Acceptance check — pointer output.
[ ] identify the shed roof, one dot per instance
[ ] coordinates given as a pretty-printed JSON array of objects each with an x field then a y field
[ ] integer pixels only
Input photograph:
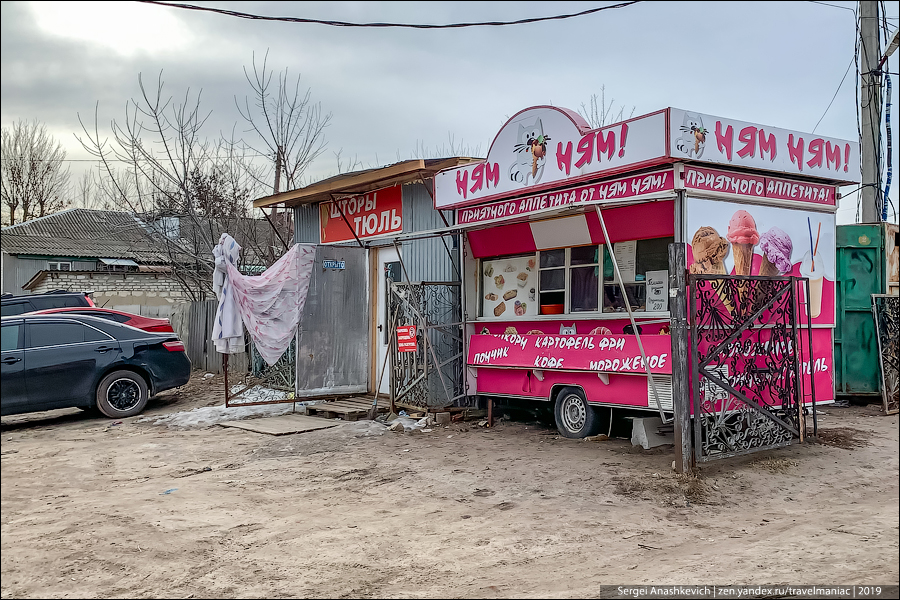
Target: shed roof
[{"x": 361, "y": 182}]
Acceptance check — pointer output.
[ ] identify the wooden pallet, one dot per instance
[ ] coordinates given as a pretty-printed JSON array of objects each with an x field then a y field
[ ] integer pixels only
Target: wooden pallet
[{"x": 348, "y": 409}]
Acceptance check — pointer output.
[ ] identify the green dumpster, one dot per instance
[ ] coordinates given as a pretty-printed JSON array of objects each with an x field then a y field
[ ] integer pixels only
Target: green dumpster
[{"x": 866, "y": 264}]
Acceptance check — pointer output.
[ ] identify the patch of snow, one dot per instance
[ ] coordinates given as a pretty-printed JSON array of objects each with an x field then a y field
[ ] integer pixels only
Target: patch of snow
[{"x": 210, "y": 415}]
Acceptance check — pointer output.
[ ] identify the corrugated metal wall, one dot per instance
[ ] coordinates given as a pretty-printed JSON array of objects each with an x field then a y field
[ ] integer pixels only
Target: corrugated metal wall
[
  {"x": 306, "y": 224},
  {"x": 426, "y": 259}
]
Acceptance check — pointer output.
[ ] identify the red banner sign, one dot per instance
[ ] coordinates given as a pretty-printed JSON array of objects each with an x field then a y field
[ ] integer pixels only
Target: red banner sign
[
  {"x": 406, "y": 338},
  {"x": 755, "y": 186},
  {"x": 607, "y": 191},
  {"x": 607, "y": 353},
  {"x": 370, "y": 215}
]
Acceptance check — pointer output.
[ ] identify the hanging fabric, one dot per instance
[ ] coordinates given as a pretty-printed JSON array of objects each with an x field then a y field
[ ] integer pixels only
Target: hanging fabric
[{"x": 269, "y": 304}]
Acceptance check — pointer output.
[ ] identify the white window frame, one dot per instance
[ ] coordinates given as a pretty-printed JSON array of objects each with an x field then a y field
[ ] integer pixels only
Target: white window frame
[
  {"x": 567, "y": 267},
  {"x": 59, "y": 264}
]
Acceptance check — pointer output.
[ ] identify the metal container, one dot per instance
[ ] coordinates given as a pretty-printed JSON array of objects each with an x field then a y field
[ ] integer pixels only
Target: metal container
[{"x": 867, "y": 259}]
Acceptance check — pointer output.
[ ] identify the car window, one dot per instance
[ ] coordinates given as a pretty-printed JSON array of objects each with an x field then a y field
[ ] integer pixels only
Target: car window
[
  {"x": 55, "y": 334},
  {"x": 10, "y": 337},
  {"x": 104, "y": 315},
  {"x": 94, "y": 335},
  {"x": 45, "y": 302},
  {"x": 15, "y": 308}
]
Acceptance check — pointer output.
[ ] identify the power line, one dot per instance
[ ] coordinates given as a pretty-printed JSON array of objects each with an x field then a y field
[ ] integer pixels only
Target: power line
[
  {"x": 852, "y": 61},
  {"x": 243, "y": 15}
]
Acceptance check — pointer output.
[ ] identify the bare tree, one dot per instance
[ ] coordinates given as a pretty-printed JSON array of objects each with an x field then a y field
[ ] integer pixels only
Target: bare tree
[
  {"x": 288, "y": 126},
  {"x": 600, "y": 114},
  {"x": 186, "y": 189},
  {"x": 35, "y": 181}
]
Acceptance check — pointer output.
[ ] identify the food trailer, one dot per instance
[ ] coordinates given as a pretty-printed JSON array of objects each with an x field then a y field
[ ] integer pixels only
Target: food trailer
[{"x": 566, "y": 251}]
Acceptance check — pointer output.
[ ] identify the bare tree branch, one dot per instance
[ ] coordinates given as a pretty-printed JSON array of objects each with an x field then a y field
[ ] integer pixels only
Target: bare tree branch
[{"x": 35, "y": 184}]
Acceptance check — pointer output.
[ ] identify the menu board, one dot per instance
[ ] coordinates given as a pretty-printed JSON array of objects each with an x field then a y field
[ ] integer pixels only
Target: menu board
[
  {"x": 508, "y": 287},
  {"x": 625, "y": 257}
]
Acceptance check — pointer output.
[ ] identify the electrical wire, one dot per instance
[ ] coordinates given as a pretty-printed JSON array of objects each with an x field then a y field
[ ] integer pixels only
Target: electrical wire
[
  {"x": 852, "y": 60},
  {"x": 243, "y": 15}
]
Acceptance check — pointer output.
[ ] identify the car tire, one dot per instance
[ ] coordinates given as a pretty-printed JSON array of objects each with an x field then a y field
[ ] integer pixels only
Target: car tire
[
  {"x": 122, "y": 394},
  {"x": 575, "y": 418}
]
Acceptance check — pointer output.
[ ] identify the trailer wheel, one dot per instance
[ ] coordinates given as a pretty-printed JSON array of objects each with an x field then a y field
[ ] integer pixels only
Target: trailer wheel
[{"x": 575, "y": 418}]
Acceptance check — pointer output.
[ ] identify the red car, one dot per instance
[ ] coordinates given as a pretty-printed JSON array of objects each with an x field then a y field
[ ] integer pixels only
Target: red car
[{"x": 157, "y": 325}]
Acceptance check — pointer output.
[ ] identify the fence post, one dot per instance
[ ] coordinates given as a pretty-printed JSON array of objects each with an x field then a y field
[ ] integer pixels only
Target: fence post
[{"x": 684, "y": 457}]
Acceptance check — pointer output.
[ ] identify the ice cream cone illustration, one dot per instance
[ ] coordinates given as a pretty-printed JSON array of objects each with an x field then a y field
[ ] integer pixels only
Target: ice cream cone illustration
[
  {"x": 743, "y": 236},
  {"x": 710, "y": 250},
  {"x": 776, "y": 247},
  {"x": 538, "y": 150}
]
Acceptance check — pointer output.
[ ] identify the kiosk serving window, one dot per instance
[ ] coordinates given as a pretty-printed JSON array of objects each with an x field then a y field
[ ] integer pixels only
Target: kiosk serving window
[{"x": 573, "y": 280}]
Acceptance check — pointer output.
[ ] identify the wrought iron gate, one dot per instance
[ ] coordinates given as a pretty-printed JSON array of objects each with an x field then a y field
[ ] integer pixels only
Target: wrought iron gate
[
  {"x": 261, "y": 383},
  {"x": 431, "y": 376},
  {"x": 886, "y": 311},
  {"x": 745, "y": 351}
]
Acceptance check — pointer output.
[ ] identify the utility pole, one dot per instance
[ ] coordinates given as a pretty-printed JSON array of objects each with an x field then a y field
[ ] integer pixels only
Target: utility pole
[{"x": 870, "y": 107}]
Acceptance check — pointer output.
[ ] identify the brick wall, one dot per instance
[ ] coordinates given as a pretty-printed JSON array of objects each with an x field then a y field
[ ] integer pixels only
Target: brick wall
[{"x": 151, "y": 294}]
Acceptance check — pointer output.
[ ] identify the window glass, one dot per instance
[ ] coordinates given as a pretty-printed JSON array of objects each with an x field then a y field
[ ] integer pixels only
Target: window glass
[
  {"x": 15, "y": 309},
  {"x": 553, "y": 258},
  {"x": 653, "y": 255},
  {"x": 10, "y": 337},
  {"x": 55, "y": 334},
  {"x": 553, "y": 279},
  {"x": 94, "y": 335},
  {"x": 585, "y": 282},
  {"x": 585, "y": 255}
]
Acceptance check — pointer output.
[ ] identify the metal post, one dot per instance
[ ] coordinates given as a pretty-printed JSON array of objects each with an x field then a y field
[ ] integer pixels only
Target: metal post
[
  {"x": 870, "y": 108},
  {"x": 684, "y": 457}
]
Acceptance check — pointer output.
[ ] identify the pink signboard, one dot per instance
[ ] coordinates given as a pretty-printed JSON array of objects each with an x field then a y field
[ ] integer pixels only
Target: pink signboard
[
  {"x": 755, "y": 186},
  {"x": 750, "y": 363},
  {"x": 603, "y": 353},
  {"x": 701, "y": 137},
  {"x": 547, "y": 147},
  {"x": 637, "y": 187},
  {"x": 747, "y": 239}
]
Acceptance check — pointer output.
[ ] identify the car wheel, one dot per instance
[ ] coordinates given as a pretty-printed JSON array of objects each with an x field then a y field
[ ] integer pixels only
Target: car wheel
[
  {"x": 575, "y": 418},
  {"x": 122, "y": 394}
]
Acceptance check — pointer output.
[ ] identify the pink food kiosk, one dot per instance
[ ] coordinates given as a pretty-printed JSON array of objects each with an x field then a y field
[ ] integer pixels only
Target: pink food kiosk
[{"x": 566, "y": 250}]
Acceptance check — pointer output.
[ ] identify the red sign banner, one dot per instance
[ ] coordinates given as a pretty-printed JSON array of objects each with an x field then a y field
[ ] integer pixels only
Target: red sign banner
[
  {"x": 606, "y": 191},
  {"x": 755, "y": 186},
  {"x": 406, "y": 338},
  {"x": 605, "y": 353},
  {"x": 370, "y": 215}
]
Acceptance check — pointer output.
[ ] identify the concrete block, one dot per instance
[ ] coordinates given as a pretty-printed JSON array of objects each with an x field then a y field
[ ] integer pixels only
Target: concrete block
[
  {"x": 644, "y": 434},
  {"x": 442, "y": 418}
]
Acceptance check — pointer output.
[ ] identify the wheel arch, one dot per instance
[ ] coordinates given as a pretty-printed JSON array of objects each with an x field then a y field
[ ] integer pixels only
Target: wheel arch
[{"x": 134, "y": 369}]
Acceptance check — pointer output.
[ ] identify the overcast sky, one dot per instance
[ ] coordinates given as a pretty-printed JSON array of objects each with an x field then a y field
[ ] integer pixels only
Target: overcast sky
[{"x": 391, "y": 91}]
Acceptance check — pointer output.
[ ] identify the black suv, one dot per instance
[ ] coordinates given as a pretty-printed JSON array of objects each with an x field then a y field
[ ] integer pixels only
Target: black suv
[{"x": 16, "y": 305}]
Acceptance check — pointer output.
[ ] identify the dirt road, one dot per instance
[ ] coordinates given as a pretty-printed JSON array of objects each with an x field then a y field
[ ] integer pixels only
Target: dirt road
[{"x": 96, "y": 510}]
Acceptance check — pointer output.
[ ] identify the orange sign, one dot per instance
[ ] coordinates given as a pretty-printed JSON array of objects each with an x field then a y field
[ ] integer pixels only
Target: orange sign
[{"x": 370, "y": 215}]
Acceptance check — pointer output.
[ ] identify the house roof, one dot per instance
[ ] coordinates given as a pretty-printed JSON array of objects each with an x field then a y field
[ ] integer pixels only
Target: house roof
[
  {"x": 361, "y": 182},
  {"x": 113, "y": 235},
  {"x": 81, "y": 232}
]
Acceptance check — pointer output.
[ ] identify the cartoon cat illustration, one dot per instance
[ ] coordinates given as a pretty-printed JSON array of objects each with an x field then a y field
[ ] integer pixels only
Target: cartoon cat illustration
[
  {"x": 693, "y": 136},
  {"x": 531, "y": 154},
  {"x": 570, "y": 330}
]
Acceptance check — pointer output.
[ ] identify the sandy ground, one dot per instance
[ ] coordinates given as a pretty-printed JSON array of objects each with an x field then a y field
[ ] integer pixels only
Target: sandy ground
[{"x": 91, "y": 509}]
